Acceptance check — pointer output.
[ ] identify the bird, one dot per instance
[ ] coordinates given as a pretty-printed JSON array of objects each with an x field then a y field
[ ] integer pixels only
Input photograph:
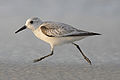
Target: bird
[{"x": 56, "y": 33}]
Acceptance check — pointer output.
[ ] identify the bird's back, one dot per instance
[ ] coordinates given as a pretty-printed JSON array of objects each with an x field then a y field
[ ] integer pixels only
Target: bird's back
[{"x": 56, "y": 29}]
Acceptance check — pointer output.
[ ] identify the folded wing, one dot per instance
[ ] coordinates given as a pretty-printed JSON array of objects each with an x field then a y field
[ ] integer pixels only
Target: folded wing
[{"x": 54, "y": 29}]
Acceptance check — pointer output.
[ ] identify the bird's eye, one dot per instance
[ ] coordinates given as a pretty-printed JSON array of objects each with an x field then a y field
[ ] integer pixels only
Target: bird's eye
[{"x": 31, "y": 22}]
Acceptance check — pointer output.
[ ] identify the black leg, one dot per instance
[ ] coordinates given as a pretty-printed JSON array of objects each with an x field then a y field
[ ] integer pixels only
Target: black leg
[
  {"x": 37, "y": 60},
  {"x": 87, "y": 59}
]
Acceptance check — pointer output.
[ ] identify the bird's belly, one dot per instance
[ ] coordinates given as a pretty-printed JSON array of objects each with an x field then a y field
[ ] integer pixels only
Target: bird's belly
[
  {"x": 60, "y": 40},
  {"x": 57, "y": 40},
  {"x": 64, "y": 40}
]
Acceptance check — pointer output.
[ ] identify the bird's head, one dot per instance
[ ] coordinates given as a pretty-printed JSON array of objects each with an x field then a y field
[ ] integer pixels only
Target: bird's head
[{"x": 31, "y": 23}]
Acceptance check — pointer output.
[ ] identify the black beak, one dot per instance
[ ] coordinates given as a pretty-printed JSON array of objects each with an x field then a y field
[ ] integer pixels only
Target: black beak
[{"x": 24, "y": 27}]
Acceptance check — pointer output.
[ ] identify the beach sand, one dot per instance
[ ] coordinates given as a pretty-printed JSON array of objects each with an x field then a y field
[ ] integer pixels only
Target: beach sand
[{"x": 50, "y": 71}]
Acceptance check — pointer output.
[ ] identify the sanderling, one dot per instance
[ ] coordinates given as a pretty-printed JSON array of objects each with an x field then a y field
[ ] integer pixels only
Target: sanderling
[{"x": 56, "y": 33}]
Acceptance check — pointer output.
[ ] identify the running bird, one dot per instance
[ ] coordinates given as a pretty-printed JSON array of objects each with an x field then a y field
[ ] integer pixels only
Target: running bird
[{"x": 56, "y": 33}]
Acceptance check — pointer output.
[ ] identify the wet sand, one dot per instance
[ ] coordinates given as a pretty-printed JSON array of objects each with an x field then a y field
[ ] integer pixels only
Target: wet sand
[{"x": 50, "y": 71}]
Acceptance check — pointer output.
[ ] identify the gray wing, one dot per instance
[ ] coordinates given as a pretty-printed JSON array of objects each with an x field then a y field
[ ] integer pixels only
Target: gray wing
[{"x": 55, "y": 29}]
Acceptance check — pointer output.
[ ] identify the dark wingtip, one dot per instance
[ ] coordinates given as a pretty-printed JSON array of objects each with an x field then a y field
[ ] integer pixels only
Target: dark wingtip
[{"x": 96, "y": 34}]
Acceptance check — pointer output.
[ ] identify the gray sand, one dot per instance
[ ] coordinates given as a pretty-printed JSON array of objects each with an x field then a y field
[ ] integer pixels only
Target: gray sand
[{"x": 59, "y": 72}]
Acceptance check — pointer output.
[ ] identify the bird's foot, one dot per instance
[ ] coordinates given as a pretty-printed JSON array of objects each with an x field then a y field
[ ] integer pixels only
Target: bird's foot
[
  {"x": 37, "y": 60},
  {"x": 87, "y": 59}
]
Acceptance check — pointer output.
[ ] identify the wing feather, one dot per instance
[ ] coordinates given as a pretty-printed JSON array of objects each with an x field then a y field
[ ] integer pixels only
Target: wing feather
[{"x": 55, "y": 29}]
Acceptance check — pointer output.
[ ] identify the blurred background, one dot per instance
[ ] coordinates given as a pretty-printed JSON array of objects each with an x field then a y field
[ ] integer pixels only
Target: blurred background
[{"x": 102, "y": 16}]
